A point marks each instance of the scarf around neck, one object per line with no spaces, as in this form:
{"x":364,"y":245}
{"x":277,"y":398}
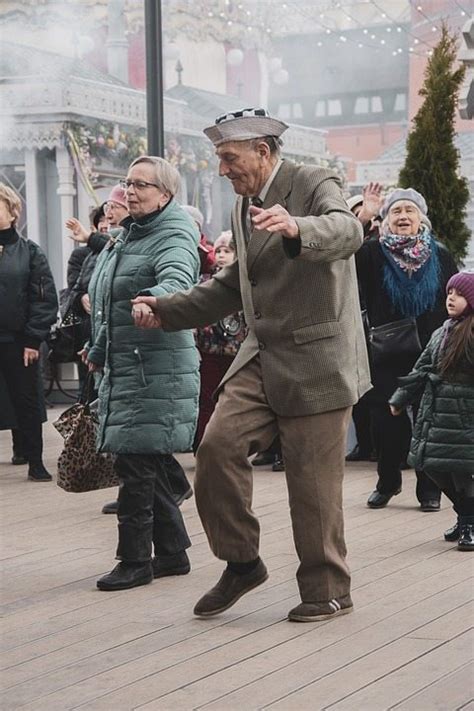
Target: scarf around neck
{"x":411,"y":271}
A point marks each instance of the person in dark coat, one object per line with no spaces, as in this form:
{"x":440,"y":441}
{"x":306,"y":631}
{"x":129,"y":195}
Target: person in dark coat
{"x":218,"y":343}
{"x":443,"y":439}
{"x":28,"y":309}
{"x":366,"y":208}
{"x":8,"y":418}
{"x":401,"y":275}
{"x":149,"y":389}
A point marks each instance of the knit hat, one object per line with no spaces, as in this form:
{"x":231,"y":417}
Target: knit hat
{"x":401,"y":194}
{"x":225,"y":239}
{"x":463,"y":282}
{"x":354,"y":200}
{"x":243,"y":125}
{"x":195,"y":214}
{"x":118,"y":195}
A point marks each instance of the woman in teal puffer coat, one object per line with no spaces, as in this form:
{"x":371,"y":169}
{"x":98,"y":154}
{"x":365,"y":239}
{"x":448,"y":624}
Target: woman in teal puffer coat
{"x":443,"y":437}
{"x":149,"y":389}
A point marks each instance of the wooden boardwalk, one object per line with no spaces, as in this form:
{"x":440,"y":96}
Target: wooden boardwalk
{"x":65,"y":645}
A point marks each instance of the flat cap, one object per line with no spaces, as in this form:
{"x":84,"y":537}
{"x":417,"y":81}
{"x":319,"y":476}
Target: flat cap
{"x":244,"y":125}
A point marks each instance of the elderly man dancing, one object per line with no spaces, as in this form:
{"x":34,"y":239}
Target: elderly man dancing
{"x":298,"y":373}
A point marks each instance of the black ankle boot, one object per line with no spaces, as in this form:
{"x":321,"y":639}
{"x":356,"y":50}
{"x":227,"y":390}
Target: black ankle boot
{"x":166,"y":565}
{"x":452,"y":534}
{"x":125,"y":576}
{"x":466,"y":535}
{"x":38,"y":472}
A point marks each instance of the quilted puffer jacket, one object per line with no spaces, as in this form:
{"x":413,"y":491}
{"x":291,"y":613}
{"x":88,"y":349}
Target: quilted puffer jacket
{"x":443,"y":437}
{"x":149,"y":390}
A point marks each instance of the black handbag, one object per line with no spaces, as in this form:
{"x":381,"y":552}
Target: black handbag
{"x":67,"y":339}
{"x":393,"y":341}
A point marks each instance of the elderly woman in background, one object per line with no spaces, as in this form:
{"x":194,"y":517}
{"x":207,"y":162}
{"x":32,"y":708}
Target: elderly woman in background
{"x":401,"y":275}
{"x":28,"y":309}
{"x":149,"y":389}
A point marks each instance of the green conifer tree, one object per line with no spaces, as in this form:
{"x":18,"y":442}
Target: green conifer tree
{"x":432,"y":161}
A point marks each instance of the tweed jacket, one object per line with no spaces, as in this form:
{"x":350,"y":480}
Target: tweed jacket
{"x":299,"y":298}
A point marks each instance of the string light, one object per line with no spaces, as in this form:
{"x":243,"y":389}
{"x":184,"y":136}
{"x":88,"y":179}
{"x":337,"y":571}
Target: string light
{"x":395,"y":27}
{"x":391,"y":19}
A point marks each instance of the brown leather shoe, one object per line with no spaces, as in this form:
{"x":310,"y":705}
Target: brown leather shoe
{"x":316,"y":611}
{"x":229,"y":588}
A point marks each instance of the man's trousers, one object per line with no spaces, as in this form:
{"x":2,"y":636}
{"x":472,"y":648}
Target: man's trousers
{"x":313,"y":449}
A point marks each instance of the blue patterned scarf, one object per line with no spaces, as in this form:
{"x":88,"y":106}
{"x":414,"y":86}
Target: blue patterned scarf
{"x":411,"y":275}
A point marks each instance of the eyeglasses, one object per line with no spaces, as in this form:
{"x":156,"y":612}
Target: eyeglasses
{"x":137,"y":184}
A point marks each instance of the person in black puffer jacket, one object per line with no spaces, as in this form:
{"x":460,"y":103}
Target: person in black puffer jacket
{"x":28,"y":309}
{"x":443,"y":438}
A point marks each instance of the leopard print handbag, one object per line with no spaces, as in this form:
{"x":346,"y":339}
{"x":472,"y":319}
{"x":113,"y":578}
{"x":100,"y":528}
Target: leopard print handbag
{"x":80,"y":467}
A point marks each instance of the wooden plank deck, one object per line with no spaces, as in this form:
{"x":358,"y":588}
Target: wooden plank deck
{"x":65,"y":645}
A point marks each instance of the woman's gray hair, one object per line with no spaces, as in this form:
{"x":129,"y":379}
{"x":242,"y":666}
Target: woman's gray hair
{"x":166,"y":176}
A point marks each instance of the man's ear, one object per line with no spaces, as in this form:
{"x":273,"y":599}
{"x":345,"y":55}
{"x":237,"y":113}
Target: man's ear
{"x":263,"y":149}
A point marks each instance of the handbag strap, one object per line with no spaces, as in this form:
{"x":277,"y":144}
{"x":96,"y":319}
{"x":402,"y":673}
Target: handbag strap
{"x":86,"y":396}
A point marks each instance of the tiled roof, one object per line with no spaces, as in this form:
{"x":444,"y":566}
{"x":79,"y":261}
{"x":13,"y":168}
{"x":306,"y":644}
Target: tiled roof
{"x":19,"y":61}
{"x":205,"y":103}
{"x":397,"y":151}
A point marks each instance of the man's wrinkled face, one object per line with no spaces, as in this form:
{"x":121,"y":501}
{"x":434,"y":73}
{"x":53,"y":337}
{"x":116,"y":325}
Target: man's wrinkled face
{"x":247,"y":166}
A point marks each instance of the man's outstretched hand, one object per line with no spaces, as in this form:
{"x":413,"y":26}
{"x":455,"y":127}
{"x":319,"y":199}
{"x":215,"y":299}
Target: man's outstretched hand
{"x":275,"y":219}
{"x":145,"y":312}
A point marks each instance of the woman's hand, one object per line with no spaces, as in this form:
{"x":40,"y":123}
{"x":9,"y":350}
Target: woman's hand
{"x":93,"y":367}
{"x":83,"y":355}
{"x":86,"y":303}
{"x":395,"y":412}
{"x":372,"y":193}
{"x":30,"y":355}
{"x":79,"y":232}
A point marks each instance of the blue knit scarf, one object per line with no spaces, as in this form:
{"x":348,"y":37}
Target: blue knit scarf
{"x":411,"y":277}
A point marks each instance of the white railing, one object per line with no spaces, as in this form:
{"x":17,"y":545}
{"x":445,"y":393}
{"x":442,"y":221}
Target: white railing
{"x":26,"y":105}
